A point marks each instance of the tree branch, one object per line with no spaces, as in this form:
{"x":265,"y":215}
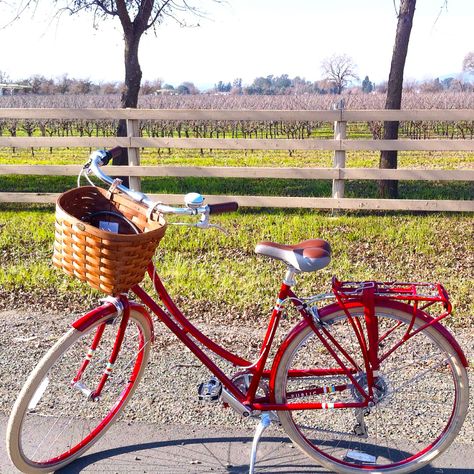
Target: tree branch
{"x":158,"y":13}
{"x":123,"y":15}
{"x":145,"y":9}
{"x":19,"y":12}
{"x":106,"y":10}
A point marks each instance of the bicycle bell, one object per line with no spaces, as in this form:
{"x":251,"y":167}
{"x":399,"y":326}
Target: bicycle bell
{"x":193,"y":200}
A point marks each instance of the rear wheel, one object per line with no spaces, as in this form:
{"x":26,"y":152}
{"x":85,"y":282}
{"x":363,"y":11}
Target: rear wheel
{"x":54,"y":421}
{"x":421,"y":397}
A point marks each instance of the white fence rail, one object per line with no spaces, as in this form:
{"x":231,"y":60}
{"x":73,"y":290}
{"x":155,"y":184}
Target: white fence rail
{"x":339,"y":145}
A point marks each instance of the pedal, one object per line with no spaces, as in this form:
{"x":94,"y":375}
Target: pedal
{"x":210,"y":392}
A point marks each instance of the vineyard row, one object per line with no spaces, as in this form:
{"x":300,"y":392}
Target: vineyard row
{"x":233,"y":129}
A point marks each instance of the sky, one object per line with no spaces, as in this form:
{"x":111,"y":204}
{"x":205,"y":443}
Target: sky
{"x":242,"y":39}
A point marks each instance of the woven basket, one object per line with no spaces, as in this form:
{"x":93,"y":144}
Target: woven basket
{"x":108,"y":261}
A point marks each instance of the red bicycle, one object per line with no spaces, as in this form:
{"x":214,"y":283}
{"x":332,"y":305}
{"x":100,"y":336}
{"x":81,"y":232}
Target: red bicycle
{"x":368,"y":382}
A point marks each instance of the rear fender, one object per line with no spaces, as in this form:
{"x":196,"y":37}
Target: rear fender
{"x":332,"y":308}
{"x":108,"y":309}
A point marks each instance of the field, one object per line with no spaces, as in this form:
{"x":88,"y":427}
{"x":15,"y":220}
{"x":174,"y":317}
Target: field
{"x":245,"y":129}
{"x":210,"y":271}
{"x":241,"y":186}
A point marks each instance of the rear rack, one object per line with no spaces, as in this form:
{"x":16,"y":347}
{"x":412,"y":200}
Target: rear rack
{"x":368,"y":294}
{"x":409,"y":292}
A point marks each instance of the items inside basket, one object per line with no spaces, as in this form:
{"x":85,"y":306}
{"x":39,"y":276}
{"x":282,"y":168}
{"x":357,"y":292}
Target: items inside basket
{"x":110,"y":213}
{"x":111,"y":221}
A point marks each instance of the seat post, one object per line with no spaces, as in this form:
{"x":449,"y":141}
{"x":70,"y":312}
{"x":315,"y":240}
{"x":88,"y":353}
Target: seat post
{"x":289,"y":279}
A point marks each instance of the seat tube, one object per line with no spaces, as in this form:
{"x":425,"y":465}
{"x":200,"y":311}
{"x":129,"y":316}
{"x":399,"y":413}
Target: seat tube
{"x":372,"y":326}
{"x":285,"y":288}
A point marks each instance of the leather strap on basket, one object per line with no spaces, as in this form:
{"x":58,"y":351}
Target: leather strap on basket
{"x":152,"y":209}
{"x":116,"y":182}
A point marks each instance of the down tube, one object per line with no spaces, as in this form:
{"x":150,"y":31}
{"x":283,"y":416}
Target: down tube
{"x":189,"y":343}
{"x":179,"y":316}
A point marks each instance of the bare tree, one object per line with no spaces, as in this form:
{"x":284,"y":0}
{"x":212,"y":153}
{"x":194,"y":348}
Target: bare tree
{"x":4,"y":77}
{"x":388,"y":159}
{"x":136,"y":18}
{"x":468,"y":62}
{"x":339,"y":69}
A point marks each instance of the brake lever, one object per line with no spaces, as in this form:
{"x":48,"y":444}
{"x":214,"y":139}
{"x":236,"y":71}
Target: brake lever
{"x":218,"y":227}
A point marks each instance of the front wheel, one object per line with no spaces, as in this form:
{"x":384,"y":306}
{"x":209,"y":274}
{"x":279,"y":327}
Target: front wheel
{"x":421,"y":396}
{"x":55,"y":420}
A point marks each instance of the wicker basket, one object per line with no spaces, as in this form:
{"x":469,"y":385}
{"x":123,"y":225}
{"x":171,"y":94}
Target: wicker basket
{"x":109,"y":261}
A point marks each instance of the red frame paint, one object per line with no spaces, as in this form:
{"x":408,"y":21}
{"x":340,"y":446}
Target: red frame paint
{"x":390,"y":295}
{"x":82,"y":324}
{"x":400,"y":296}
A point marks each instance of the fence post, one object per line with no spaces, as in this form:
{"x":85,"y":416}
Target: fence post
{"x":133,"y":130}
{"x":339,"y":155}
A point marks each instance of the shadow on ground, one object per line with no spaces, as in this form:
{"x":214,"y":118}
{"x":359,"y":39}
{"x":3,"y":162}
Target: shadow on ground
{"x":222,"y":454}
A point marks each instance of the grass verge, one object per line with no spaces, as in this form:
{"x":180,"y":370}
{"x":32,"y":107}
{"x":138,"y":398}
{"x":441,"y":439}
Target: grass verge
{"x":210,"y":268}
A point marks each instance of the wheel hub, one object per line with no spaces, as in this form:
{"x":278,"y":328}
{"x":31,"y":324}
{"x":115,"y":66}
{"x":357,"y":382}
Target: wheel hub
{"x":379,"y":389}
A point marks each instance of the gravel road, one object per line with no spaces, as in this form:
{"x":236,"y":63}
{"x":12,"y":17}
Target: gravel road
{"x":169,"y":387}
{"x":168,"y":391}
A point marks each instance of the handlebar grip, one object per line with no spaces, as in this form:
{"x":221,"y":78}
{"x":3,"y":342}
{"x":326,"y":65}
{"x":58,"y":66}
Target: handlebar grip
{"x":112,"y":153}
{"x":116,"y":151}
{"x":223,"y":207}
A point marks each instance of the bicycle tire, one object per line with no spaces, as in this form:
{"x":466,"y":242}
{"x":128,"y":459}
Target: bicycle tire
{"x":423,"y":394}
{"x":35,"y":441}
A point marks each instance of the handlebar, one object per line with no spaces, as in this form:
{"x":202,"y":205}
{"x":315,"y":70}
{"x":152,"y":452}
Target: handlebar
{"x":223,"y":207}
{"x":101,"y":158}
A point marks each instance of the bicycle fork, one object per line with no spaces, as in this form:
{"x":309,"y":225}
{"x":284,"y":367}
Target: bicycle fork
{"x":123,"y":310}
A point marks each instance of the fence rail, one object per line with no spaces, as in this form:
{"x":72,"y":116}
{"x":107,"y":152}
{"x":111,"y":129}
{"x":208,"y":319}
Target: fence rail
{"x":341,"y":115}
{"x":239,"y":143}
{"x":249,"y":172}
{"x":339,"y":145}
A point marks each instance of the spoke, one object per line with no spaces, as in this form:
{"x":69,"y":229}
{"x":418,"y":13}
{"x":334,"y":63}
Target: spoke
{"x":327,"y":431}
{"x":417,"y":393}
{"x":414,"y":379}
{"x":415,"y":361}
{"x":69,"y":433}
{"x":45,"y":437}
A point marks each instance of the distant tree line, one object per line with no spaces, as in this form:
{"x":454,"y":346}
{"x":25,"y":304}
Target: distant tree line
{"x":268,"y":85}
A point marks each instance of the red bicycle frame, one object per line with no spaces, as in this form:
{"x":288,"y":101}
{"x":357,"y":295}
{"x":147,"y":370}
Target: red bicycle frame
{"x":362,"y":295}
{"x":173,"y":318}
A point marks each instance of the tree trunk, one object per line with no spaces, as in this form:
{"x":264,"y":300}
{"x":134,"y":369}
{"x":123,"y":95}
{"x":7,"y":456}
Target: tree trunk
{"x":388,"y":159}
{"x":133,"y":72}
{"x":129,"y":99}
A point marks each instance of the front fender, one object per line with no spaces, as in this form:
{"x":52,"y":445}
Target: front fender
{"x":108,"y":309}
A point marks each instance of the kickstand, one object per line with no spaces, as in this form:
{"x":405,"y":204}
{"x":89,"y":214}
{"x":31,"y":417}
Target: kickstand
{"x":265,"y":422}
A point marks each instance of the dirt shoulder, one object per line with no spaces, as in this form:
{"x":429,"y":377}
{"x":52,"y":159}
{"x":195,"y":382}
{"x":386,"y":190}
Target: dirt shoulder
{"x":169,"y":389}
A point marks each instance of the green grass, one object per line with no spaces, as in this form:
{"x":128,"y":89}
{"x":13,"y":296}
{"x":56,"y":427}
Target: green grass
{"x":201,"y":267}
{"x":262,"y":187}
{"x":258,"y":187}
{"x":277,"y":158}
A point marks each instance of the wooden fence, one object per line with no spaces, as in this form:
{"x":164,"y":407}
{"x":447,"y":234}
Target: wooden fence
{"x":339,"y":145}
